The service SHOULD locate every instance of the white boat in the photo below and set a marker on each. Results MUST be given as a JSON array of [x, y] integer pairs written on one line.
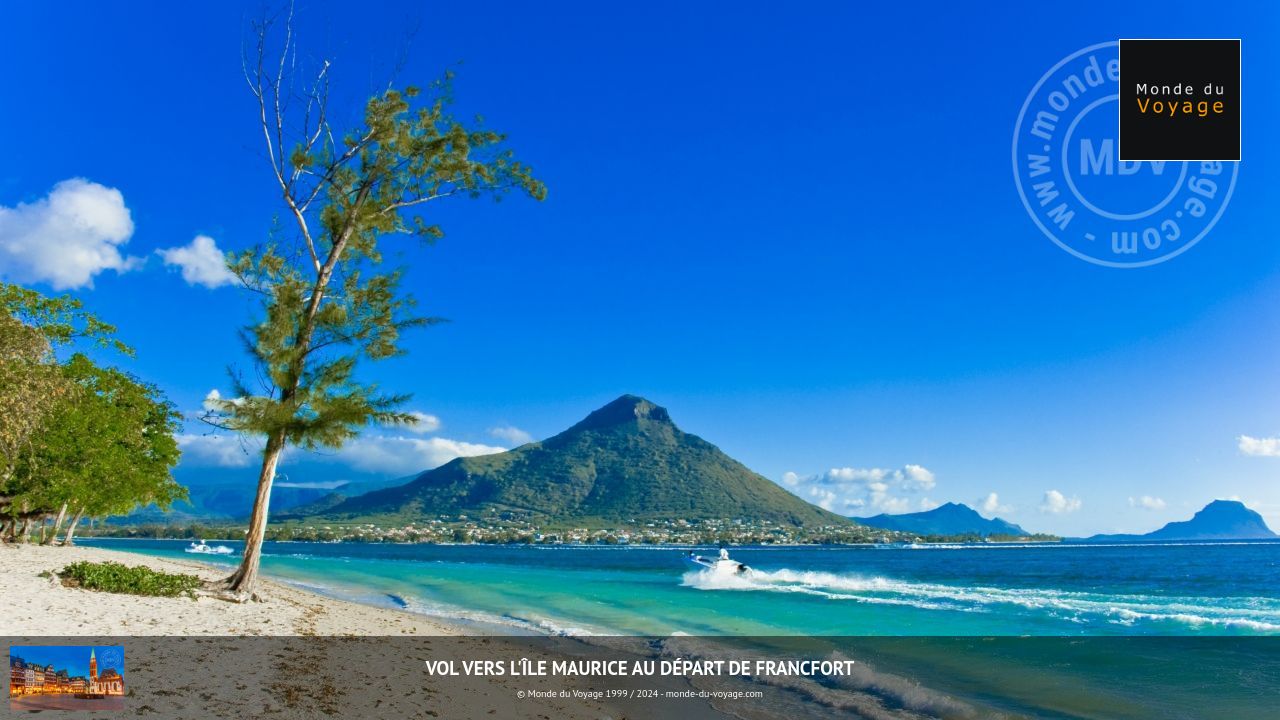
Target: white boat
[[203, 548], [719, 565]]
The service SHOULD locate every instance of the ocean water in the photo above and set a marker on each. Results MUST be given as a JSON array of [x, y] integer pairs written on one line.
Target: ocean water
[[1116, 632], [1224, 588]]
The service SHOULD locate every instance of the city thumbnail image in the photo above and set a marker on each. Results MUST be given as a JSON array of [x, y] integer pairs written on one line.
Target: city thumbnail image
[[66, 677]]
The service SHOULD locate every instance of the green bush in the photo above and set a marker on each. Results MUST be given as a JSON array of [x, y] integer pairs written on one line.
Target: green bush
[[117, 578]]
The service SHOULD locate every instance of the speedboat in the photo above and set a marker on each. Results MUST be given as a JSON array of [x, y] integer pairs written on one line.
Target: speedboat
[[718, 565], [203, 548]]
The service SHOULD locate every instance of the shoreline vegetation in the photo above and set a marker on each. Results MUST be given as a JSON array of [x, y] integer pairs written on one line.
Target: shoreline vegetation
[[109, 576], [440, 532]]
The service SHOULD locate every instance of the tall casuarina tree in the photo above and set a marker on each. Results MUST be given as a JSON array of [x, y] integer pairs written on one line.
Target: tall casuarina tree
[[328, 299]]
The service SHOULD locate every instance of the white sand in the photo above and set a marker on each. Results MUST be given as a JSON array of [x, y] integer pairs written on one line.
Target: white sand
[[32, 605], [296, 655]]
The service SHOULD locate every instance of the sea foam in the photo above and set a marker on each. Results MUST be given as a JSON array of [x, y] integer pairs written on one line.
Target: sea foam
[[1150, 613]]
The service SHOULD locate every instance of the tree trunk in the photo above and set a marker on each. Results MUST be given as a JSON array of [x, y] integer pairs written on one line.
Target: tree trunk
[[71, 529], [57, 526], [44, 527], [244, 579], [25, 536]]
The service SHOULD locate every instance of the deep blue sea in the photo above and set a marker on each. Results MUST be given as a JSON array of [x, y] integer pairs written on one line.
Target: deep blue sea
[[1222, 588]]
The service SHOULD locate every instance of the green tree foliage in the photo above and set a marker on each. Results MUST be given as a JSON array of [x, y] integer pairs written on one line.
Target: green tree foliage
[[29, 390], [61, 320], [328, 298], [106, 449], [77, 437], [31, 326]]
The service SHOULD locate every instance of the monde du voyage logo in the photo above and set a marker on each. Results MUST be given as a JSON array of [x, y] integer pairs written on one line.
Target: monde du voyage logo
[[1170, 184]]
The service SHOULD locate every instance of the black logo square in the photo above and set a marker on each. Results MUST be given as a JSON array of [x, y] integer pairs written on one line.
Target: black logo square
[[1179, 100]]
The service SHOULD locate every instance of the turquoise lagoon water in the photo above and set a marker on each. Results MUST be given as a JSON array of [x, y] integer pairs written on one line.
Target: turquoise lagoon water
[[1228, 588], [1081, 632]]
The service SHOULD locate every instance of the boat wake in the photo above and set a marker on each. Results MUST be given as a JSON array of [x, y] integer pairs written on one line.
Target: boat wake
[[1135, 613], [203, 548]]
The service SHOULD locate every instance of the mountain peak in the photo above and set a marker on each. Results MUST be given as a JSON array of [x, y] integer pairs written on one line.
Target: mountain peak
[[948, 519], [624, 463], [957, 510], [1219, 520], [625, 409]]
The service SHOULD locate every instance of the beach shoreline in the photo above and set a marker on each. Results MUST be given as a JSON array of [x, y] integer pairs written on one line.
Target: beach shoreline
[[35, 605], [310, 654], [310, 650]]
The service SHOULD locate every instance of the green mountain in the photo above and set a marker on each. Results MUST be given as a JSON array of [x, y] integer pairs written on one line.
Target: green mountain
[[948, 519], [625, 463]]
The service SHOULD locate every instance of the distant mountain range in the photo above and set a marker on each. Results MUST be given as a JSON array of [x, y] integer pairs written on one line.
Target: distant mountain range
[[948, 519], [1219, 520], [232, 500], [626, 462]]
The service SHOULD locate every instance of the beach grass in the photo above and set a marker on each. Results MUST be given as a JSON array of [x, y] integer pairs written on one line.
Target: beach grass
[[117, 577]]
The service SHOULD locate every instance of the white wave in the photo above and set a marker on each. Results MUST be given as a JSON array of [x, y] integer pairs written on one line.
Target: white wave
[[1248, 614], [535, 625]]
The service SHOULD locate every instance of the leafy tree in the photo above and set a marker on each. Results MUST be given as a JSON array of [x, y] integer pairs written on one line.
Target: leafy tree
[[116, 446], [61, 320], [31, 326], [74, 436], [29, 389], [329, 299], [107, 448]]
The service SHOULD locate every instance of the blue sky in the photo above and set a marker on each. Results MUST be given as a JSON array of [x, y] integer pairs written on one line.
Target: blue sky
[[794, 227]]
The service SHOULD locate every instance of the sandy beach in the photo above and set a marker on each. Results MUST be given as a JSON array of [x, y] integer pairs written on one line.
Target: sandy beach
[[297, 654], [34, 605]]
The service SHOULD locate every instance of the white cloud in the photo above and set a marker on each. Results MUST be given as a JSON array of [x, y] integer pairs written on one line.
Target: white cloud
[[426, 423], [1260, 447], [66, 238], [919, 478], [1147, 502], [222, 450], [511, 434], [396, 455], [1058, 504], [865, 491], [322, 485], [910, 476], [201, 262], [991, 505], [214, 402], [388, 454]]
